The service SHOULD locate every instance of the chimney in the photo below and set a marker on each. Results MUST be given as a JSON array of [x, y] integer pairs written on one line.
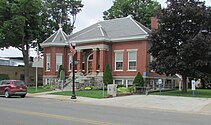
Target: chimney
[[154, 23]]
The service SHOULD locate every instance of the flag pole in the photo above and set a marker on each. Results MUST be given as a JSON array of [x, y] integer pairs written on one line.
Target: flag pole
[[37, 64]]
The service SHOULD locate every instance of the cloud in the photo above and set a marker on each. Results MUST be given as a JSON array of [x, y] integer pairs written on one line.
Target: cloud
[[91, 13]]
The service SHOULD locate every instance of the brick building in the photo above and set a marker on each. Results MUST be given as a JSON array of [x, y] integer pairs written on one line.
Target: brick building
[[121, 43]]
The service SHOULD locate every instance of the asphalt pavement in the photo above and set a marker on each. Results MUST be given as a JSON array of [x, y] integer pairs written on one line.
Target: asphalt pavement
[[167, 103]]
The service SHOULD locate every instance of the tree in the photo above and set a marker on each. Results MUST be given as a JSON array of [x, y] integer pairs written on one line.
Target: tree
[[60, 69], [23, 21], [61, 11], [180, 45], [141, 10], [54, 12], [19, 26], [138, 80], [107, 76]]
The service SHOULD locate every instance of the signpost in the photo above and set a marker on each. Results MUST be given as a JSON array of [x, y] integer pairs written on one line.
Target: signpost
[[193, 85], [160, 84]]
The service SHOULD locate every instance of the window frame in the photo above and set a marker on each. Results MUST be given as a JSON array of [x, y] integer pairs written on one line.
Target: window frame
[[119, 61], [59, 63], [132, 51], [48, 61]]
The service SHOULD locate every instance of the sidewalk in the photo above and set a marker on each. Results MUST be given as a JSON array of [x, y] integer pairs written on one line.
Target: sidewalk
[[167, 103]]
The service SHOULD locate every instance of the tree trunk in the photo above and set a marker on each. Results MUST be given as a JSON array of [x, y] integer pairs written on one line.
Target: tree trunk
[[184, 84], [26, 62]]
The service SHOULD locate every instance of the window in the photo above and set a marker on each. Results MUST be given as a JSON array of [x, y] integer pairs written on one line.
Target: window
[[119, 61], [118, 82], [132, 61], [70, 62], [130, 82], [48, 62], [58, 60]]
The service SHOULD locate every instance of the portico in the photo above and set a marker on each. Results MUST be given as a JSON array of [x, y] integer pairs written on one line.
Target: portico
[[92, 58]]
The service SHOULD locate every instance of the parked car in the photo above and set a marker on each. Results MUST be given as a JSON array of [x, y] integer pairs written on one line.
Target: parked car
[[13, 87]]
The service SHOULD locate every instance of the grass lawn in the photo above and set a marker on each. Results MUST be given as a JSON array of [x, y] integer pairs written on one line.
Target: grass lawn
[[39, 89], [85, 93], [201, 93]]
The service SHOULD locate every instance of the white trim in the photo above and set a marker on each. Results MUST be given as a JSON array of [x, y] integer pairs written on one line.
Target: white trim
[[143, 37], [59, 54], [56, 35], [60, 63], [132, 70], [90, 40], [101, 30], [132, 50], [64, 35], [119, 80], [53, 44], [139, 37], [100, 46], [122, 61], [118, 70], [91, 54], [48, 61], [48, 38], [138, 26], [118, 51], [128, 62]]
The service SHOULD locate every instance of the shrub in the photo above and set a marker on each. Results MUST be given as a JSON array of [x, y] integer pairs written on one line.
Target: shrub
[[60, 68], [131, 89], [122, 90], [120, 85], [138, 81], [88, 88], [107, 76], [4, 77], [47, 87]]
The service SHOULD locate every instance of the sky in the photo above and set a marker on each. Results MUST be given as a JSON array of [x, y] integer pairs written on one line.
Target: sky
[[91, 13]]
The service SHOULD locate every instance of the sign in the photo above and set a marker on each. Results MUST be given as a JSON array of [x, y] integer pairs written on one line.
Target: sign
[[159, 81], [76, 62], [160, 84], [193, 84]]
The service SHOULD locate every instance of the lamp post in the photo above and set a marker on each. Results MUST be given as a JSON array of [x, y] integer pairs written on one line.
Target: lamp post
[[72, 49]]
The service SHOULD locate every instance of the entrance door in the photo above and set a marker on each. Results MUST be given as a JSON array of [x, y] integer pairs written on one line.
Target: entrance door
[[89, 63]]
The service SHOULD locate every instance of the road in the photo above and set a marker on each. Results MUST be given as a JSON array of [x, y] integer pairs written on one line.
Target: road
[[41, 111]]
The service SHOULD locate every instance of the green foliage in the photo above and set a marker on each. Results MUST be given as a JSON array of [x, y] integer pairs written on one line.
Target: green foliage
[[65, 11], [62, 75], [141, 10], [49, 87], [88, 88], [107, 76], [138, 81], [180, 45], [19, 26], [131, 89], [122, 90], [59, 71], [4, 77], [120, 85]]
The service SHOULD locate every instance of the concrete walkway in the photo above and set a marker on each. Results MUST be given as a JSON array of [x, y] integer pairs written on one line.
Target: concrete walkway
[[167, 103]]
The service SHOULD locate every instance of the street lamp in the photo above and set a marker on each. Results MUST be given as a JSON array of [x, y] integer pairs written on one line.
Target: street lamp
[[72, 49]]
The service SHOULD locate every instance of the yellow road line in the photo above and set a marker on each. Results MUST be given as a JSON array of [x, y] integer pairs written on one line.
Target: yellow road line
[[62, 117]]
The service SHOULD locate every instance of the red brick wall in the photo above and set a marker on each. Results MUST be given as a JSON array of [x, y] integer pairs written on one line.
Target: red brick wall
[[142, 57], [65, 59], [141, 47]]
